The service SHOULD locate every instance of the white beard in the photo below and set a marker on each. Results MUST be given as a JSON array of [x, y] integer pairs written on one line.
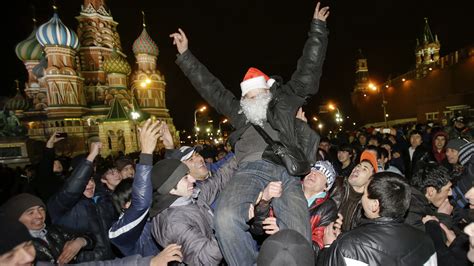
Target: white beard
[[256, 109]]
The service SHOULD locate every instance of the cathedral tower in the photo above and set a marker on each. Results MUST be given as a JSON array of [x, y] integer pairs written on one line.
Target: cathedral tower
[[426, 52]]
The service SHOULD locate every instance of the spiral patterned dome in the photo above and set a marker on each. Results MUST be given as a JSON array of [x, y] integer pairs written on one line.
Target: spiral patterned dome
[[145, 45], [18, 102], [30, 48], [54, 32], [116, 64]]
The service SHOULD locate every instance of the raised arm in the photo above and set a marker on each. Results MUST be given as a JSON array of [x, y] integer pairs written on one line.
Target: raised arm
[[305, 80], [208, 86]]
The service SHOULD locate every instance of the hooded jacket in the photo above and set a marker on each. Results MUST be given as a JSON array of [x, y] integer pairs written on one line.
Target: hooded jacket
[[287, 98], [439, 157], [190, 224]]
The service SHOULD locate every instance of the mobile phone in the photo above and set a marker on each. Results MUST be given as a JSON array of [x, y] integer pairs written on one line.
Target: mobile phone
[[61, 135]]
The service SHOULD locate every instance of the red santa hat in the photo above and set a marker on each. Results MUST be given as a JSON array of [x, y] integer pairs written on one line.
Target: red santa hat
[[255, 79]]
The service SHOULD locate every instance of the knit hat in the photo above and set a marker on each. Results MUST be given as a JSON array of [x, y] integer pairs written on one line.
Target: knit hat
[[326, 168], [465, 153], [13, 233], [255, 79], [183, 153], [122, 162], [456, 144], [18, 204], [165, 175], [286, 247], [367, 155]]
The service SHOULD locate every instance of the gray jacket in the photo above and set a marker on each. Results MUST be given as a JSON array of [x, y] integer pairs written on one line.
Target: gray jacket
[[191, 225]]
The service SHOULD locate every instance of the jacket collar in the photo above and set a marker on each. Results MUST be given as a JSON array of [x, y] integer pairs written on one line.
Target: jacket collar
[[381, 220]]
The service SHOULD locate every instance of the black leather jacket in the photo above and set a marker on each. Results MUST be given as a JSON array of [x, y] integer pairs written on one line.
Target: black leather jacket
[[380, 241], [57, 238], [287, 98]]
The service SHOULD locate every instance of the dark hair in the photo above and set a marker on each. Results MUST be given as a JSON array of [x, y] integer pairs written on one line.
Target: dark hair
[[346, 147], [382, 152], [386, 142], [373, 148], [392, 192], [430, 174], [324, 139], [122, 194], [414, 132]]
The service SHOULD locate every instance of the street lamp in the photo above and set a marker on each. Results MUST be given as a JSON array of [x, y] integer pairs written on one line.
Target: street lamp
[[333, 107], [202, 109], [220, 123], [384, 102]]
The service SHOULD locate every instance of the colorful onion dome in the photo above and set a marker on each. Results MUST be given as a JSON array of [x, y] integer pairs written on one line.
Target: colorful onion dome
[[18, 102], [30, 48], [145, 45], [116, 64], [54, 32]]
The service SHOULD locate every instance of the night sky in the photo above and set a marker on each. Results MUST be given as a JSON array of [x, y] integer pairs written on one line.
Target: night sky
[[230, 36]]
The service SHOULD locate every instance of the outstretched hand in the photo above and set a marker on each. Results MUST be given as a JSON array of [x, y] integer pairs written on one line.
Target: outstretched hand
[[321, 14], [301, 115], [180, 40]]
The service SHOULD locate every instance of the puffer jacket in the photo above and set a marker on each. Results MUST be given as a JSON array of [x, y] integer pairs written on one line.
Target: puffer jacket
[[132, 232], [287, 98], [381, 241], [57, 238], [191, 224], [70, 209]]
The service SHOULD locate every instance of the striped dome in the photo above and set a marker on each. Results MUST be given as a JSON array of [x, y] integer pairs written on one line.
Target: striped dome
[[145, 45], [54, 32], [29, 49], [17, 103], [116, 64]]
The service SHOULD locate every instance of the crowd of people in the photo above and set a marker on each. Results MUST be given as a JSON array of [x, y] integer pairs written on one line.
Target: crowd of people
[[395, 196]]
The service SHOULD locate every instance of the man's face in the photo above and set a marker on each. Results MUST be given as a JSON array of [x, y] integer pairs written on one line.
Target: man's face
[[452, 155], [324, 146], [343, 156], [315, 182], [362, 140], [361, 174], [374, 142], [470, 197], [415, 140], [197, 166], [185, 186], [389, 150], [438, 197], [112, 178], [21, 255], [254, 105], [439, 142], [33, 218], [90, 189], [57, 167], [459, 125], [127, 172]]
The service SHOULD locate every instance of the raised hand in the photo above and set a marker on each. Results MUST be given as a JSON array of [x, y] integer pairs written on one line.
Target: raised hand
[[165, 136], [300, 115], [180, 40], [94, 151], [321, 14], [53, 139], [171, 253], [149, 134], [272, 190]]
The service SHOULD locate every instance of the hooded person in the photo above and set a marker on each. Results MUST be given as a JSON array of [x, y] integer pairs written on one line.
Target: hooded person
[[438, 148], [181, 216], [52, 243]]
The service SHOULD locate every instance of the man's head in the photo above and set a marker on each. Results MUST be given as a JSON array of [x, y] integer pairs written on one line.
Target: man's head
[[28, 209], [111, 178], [286, 247], [416, 138], [16, 247], [452, 150], [122, 196], [440, 139], [344, 153], [325, 144], [362, 172], [255, 96], [362, 139], [386, 195], [320, 178], [193, 160], [125, 167], [433, 181], [459, 122], [374, 140], [387, 145]]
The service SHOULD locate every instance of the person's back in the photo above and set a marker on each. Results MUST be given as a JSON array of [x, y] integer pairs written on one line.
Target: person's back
[[384, 241]]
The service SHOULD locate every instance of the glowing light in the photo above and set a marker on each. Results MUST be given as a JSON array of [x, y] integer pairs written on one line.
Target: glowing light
[[202, 109], [386, 86], [315, 118], [320, 126], [365, 95], [135, 115], [189, 137], [143, 84], [386, 115], [430, 69], [331, 106], [147, 81], [198, 129], [403, 79]]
